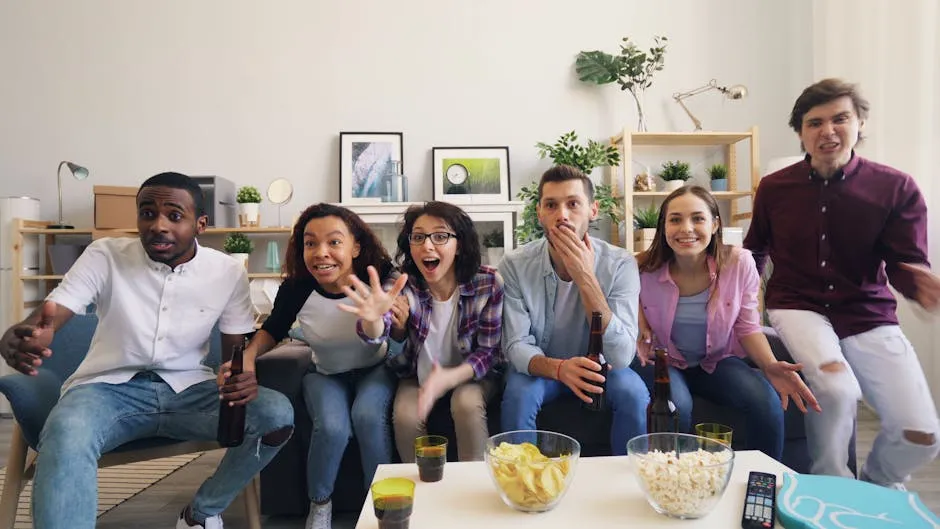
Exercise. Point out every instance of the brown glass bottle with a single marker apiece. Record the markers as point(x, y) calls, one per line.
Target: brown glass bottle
point(661, 413)
point(232, 418)
point(595, 352)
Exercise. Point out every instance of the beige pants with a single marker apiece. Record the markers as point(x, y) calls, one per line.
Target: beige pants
point(467, 407)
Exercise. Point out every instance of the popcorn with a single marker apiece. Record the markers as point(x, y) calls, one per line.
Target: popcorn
point(684, 484)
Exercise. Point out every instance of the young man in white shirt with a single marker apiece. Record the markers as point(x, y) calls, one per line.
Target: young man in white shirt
point(157, 299)
point(552, 286)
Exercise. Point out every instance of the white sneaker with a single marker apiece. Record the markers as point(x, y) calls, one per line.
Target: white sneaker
point(320, 517)
point(862, 475)
point(212, 522)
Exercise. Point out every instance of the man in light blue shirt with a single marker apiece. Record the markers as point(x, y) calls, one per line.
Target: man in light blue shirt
point(552, 286)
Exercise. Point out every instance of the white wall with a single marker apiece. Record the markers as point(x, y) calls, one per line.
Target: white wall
point(254, 91)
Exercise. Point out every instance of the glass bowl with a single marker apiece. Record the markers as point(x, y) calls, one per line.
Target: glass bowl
point(682, 476)
point(532, 469)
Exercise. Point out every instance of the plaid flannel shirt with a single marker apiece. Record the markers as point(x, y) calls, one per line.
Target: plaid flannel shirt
point(479, 325)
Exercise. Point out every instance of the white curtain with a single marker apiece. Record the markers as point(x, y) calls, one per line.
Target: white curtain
point(892, 49)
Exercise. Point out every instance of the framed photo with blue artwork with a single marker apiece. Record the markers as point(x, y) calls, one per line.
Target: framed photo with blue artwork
point(471, 175)
point(367, 162)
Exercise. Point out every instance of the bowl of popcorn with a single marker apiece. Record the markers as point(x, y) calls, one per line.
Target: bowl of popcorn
point(532, 469)
point(682, 476)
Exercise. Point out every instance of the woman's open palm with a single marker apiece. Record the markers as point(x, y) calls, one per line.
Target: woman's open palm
point(370, 301)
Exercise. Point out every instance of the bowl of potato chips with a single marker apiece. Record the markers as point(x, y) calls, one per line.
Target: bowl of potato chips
point(532, 469)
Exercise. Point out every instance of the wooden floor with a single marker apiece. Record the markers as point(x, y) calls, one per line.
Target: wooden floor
point(158, 506)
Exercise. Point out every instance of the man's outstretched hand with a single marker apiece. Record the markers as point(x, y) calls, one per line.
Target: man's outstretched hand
point(24, 346)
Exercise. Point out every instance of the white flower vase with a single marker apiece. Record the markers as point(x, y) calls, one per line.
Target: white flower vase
point(672, 185)
point(493, 256)
point(241, 257)
point(643, 238)
point(248, 214)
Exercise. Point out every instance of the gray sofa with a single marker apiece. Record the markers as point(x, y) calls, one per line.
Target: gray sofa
point(283, 482)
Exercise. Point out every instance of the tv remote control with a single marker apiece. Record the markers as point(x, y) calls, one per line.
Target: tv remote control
point(759, 503)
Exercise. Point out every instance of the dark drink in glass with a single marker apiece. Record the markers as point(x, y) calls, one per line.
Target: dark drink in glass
point(394, 512)
point(431, 461)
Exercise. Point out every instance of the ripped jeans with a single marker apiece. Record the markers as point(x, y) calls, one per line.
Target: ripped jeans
point(93, 419)
point(880, 365)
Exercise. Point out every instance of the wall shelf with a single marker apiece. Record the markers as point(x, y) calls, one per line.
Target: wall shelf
point(628, 140)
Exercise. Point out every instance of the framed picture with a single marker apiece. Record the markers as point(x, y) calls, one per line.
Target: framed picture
point(471, 175)
point(367, 161)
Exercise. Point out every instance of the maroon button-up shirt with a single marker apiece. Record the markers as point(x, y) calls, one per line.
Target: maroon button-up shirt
point(835, 243)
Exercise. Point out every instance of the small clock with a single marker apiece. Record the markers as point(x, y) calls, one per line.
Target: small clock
point(457, 174)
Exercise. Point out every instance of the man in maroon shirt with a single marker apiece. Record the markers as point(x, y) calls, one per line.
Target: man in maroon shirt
point(837, 227)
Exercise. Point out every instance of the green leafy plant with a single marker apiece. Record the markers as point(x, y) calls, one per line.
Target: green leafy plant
point(493, 239)
point(717, 172)
point(248, 195)
point(238, 243)
point(646, 217)
point(567, 151)
point(632, 68)
point(675, 171)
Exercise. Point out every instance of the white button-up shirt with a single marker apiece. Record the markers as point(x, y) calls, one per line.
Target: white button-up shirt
point(152, 317)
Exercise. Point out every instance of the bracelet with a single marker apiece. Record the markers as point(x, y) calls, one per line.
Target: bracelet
point(558, 371)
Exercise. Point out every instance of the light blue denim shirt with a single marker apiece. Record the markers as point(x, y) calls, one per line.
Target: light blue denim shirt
point(529, 300)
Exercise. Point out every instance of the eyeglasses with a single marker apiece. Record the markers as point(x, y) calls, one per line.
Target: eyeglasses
point(438, 238)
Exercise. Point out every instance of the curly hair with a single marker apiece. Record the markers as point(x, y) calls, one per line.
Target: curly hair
point(371, 251)
point(468, 259)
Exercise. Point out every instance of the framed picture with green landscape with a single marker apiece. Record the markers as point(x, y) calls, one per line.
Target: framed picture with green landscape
point(471, 175)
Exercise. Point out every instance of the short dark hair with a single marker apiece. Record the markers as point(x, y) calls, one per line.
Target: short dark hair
point(371, 251)
point(562, 173)
point(178, 181)
point(469, 256)
point(823, 92)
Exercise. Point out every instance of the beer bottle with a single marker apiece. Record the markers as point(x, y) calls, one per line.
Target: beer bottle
point(232, 418)
point(661, 413)
point(595, 352)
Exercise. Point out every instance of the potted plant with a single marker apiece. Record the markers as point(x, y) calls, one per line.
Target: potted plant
point(249, 202)
point(493, 246)
point(644, 227)
point(567, 151)
point(632, 69)
point(239, 246)
point(718, 174)
point(675, 174)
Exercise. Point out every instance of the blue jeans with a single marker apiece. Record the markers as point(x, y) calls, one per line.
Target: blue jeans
point(342, 405)
point(734, 384)
point(93, 419)
point(626, 394)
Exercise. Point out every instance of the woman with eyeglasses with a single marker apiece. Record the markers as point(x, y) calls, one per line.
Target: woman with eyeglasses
point(445, 329)
point(348, 389)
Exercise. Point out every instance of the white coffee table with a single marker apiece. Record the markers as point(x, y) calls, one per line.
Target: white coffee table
point(604, 493)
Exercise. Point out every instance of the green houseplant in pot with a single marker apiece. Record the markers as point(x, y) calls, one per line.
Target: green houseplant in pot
point(249, 202)
point(718, 174)
point(632, 69)
point(567, 151)
point(644, 227)
point(239, 246)
point(675, 174)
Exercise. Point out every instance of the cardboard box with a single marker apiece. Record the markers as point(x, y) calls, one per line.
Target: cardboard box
point(115, 207)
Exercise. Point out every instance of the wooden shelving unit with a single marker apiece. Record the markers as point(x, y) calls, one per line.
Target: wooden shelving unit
point(628, 140)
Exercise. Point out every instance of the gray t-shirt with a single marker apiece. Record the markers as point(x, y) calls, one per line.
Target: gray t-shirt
point(570, 330)
point(331, 334)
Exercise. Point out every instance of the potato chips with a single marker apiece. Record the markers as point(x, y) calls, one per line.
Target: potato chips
point(527, 477)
